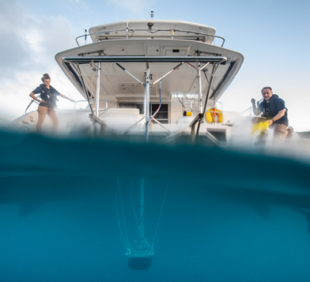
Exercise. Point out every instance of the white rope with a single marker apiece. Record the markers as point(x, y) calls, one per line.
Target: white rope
point(137, 218)
point(118, 192)
point(161, 210)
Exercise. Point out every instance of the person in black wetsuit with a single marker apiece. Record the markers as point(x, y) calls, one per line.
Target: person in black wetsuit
point(48, 101)
point(274, 110)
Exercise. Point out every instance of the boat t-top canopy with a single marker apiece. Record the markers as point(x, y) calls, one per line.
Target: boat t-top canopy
point(181, 60)
point(146, 59)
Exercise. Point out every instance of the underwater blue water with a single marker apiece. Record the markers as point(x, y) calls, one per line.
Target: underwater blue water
point(227, 216)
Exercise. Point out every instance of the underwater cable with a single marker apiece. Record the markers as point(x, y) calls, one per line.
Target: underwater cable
point(160, 213)
point(118, 193)
point(134, 212)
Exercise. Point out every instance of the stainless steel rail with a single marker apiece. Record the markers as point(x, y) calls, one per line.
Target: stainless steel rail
point(144, 59)
point(80, 101)
point(152, 31)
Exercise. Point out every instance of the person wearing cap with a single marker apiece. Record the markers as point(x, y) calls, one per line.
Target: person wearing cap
point(273, 109)
point(48, 101)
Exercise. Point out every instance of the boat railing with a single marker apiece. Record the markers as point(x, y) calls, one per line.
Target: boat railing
point(92, 101)
point(75, 103)
point(248, 112)
point(151, 31)
point(190, 103)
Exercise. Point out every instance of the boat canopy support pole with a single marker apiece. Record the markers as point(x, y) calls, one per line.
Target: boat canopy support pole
point(169, 72)
point(147, 102)
point(98, 91)
point(215, 67)
point(131, 127)
point(95, 119)
point(192, 125)
point(199, 88)
point(160, 124)
point(137, 79)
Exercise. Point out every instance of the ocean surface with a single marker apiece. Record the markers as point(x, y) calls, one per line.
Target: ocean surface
point(68, 209)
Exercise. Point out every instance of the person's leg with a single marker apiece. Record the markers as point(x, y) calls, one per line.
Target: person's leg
point(42, 111)
point(53, 116)
point(280, 131)
point(290, 131)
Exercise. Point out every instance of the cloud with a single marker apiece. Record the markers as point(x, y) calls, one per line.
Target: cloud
point(30, 42)
point(27, 50)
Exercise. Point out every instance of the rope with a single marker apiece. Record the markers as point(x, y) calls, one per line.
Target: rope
point(159, 92)
point(161, 210)
point(133, 207)
point(118, 191)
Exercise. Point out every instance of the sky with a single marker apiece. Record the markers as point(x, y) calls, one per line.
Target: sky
point(272, 35)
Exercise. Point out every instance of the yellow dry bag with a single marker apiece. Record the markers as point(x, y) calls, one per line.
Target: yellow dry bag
point(260, 127)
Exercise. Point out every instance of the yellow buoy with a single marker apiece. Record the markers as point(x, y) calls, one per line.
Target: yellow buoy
point(212, 113)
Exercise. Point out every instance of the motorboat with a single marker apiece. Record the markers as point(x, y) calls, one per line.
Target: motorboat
point(158, 80)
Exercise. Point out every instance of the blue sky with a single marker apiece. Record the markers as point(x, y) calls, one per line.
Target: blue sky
point(272, 35)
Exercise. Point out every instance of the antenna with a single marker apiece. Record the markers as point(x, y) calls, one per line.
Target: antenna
point(127, 29)
point(85, 36)
point(152, 14)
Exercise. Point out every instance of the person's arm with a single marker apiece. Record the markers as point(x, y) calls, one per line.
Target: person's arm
point(280, 107)
point(35, 98)
point(65, 97)
point(256, 110)
point(277, 116)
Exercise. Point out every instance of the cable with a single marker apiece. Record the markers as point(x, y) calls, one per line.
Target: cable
point(137, 218)
point(161, 210)
point(119, 225)
point(118, 191)
point(148, 124)
point(159, 91)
